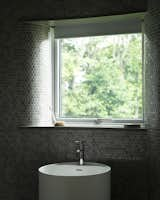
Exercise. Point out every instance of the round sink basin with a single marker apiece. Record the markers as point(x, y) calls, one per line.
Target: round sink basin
point(70, 181)
point(74, 169)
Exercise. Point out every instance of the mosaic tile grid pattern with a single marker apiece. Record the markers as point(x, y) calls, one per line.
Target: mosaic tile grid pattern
point(154, 140)
point(34, 76)
point(152, 64)
point(22, 151)
point(152, 68)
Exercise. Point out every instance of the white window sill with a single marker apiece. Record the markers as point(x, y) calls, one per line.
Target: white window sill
point(94, 126)
point(101, 126)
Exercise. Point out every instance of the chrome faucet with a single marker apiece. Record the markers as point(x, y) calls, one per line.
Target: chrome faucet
point(80, 150)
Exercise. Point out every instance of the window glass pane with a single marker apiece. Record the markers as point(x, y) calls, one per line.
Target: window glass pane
point(101, 77)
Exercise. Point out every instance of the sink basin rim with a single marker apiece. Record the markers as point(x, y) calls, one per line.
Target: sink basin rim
point(73, 169)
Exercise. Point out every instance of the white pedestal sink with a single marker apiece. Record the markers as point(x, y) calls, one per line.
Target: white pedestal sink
point(70, 181)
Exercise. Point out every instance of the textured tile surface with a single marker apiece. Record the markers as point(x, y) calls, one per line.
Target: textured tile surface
point(34, 74)
point(152, 65)
point(23, 151)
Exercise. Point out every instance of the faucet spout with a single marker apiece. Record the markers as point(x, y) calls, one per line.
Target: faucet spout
point(80, 150)
point(81, 161)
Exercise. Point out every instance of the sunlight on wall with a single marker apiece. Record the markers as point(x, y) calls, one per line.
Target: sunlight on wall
point(45, 83)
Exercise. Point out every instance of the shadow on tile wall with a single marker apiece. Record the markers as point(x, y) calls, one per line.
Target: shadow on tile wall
point(152, 65)
point(24, 150)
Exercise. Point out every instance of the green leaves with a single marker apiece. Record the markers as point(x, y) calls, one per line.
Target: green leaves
point(102, 77)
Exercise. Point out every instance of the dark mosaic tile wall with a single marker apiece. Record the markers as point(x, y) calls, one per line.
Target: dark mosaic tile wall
point(34, 75)
point(23, 150)
point(154, 140)
point(152, 64)
point(152, 67)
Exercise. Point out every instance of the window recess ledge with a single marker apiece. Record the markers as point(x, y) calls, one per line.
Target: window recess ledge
point(90, 126)
point(99, 126)
point(101, 123)
point(113, 126)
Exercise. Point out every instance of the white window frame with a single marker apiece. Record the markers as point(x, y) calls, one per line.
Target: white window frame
point(55, 60)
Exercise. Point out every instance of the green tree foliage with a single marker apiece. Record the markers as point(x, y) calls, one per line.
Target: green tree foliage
point(102, 77)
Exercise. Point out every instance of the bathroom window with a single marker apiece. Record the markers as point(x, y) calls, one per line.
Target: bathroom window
point(98, 70)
